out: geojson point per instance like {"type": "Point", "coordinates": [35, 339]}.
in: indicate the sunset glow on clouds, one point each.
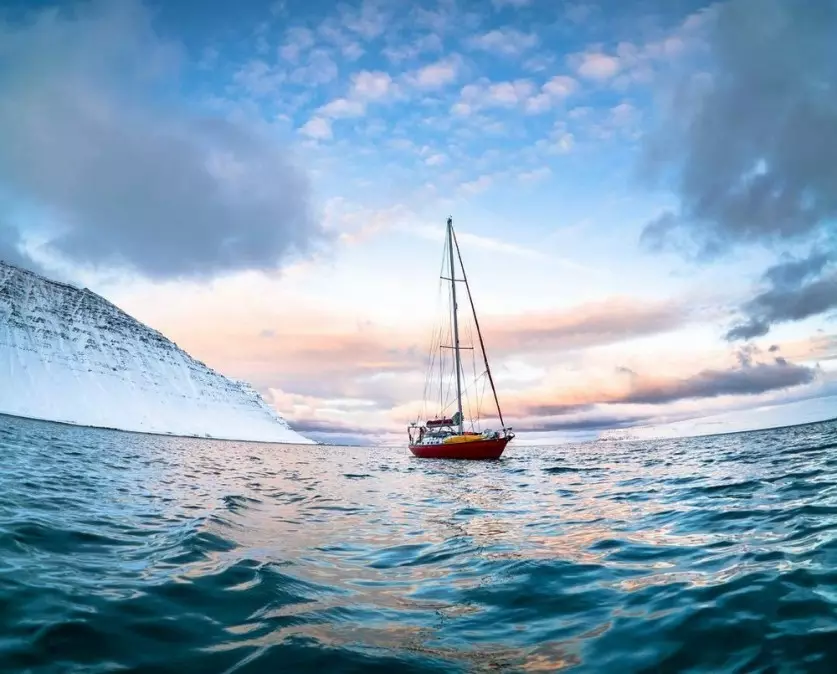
{"type": "Point", "coordinates": [646, 242]}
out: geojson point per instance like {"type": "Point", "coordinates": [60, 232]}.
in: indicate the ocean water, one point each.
{"type": "Point", "coordinates": [133, 553]}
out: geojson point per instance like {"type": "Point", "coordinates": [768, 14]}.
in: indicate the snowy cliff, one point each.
{"type": "Point", "coordinates": [69, 355]}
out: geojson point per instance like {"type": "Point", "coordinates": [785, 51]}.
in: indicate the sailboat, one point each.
{"type": "Point", "coordinates": [447, 435]}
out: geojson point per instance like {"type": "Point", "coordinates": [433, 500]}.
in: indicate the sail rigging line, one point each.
{"type": "Point", "coordinates": [482, 393]}
{"type": "Point", "coordinates": [457, 365]}
{"type": "Point", "coordinates": [475, 415]}
{"type": "Point", "coordinates": [444, 401]}
{"type": "Point", "coordinates": [477, 324]}
{"type": "Point", "coordinates": [431, 360]}
{"type": "Point", "coordinates": [429, 378]}
{"type": "Point", "coordinates": [477, 418]}
{"type": "Point", "coordinates": [435, 341]}
{"type": "Point", "coordinates": [429, 375]}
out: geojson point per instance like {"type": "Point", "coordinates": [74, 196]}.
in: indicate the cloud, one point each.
{"type": "Point", "coordinates": [794, 272]}
{"type": "Point", "coordinates": [796, 289]}
{"type": "Point", "coordinates": [332, 32]}
{"type": "Point", "coordinates": [333, 364]}
{"type": "Point", "coordinates": [325, 427]}
{"type": "Point", "coordinates": [342, 107]}
{"type": "Point", "coordinates": [366, 87]}
{"type": "Point", "coordinates": [11, 248]}
{"type": "Point", "coordinates": [436, 75]}
{"type": "Point", "coordinates": [522, 93]}
{"type": "Point", "coordinates": [486, 94]}
{"type": "Point", "coordinates": [747, 145]}
{"type": "Point", "coordinates": [535, 175]}
{"type": "Point", "coordinates": [560, 140]}
{"type": "Point", "coordinates": [400, 52]}
{"type": "Point", "coordinates": [368, 21]}
{"type": "Point", "coordinates": [278, 8]}
{"type": "Point", "coordinates": [819, 347]}
{"type": "Point", "coordinates": [632, 64]}
{"type": "Point", "coordinates": [595, 65]}
{"type": "Point", "coordinates": [130, 178]}
{"type": "Point", "coordinates": [622, 114]}
{"type": "Point", "coordinates": [628, 407]}
{"type": "Point", "coordinates": [471, 240]}
{"type": "Point", "coordinates": [579, 13]}
{"type": "Point", "coordinates": [370, 85]}
{"type": "Point", "coordinates": [342, 360]}
{"type": "Point", "coordinates": [516, 4]}
{"type": "Point", "coordinates": [352, 51]}
{"type": "Point", "coordinates": [594, 421]}
{"type": "Point", "coordinates": [749, 379]}
{"type": "Point", "coordinates": [297, 41]}
{"type": "Point", "coordinates": [556, 89]}
{"type": "Point", "coordinates": [477, 186]}
{"type": "Point", "coordinates": [506, 41]}
{"type": "Point", "coordinates": [333, 421]}
{"type": "Point", "coordinates": [259, 79]}
{"type": "Point", "coordinates": [320, 68]}
{"type": "Point", "coordinates": [560, 86]}
{"type": "Point", "coordinates": [317, 128]}
{"type": "Point", "coordinates": [331, 356]}
{"type": "Point", "coordinates": [539, 63]}
{"type": "Point", "coordinates": [588, 325]}
{"type": "Point", "coordinates": [622, 121]}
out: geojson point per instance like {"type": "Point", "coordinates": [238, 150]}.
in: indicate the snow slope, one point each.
{"type": "Point", "coordinates": [70, 355]}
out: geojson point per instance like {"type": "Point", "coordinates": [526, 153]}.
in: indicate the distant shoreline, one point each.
{"type": "Point", "coordinates": [719, 433]}
{"type": "Point", "coordinates": [160, 435]}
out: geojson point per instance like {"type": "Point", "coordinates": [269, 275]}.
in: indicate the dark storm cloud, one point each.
{"type": "Point", "coordinates": [748, 378]}
{"type": "Point", "coordinates": [587, 325]}
{"type": "Point", "coordinates": [335, 433]}
{"type": "Point", "coordinates": [10, 248]}
{"type": "Point", "coordinates": [793, 273]}
{"type": "Point", "coordinates": [558, 409]}
{"type": "Point", "coordinates": [795, 289]}
{"type": "Point", "coordinates": [751, 147]}
{"type": "Point", "coordinates": [323, 427]}
{"type": "Point", "coordinates": [593, 423]}
{"type": "Point", "coordinates": [744, 380]}
{"type": "Point", "coordinates": [92, 132]}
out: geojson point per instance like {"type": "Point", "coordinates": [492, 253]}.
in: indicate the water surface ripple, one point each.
{"type": "Point", "coordinates": [122, 552]}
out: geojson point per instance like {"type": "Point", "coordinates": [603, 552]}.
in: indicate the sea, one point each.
{"type": "Point", "coordinates": [123, 552]}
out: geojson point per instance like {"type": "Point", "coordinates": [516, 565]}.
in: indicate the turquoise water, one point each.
{"type": "Point", "coordinates": [123, 552]}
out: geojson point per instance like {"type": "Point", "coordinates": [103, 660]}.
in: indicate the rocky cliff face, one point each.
{"type": "Point", "coordinates": [69, 355]}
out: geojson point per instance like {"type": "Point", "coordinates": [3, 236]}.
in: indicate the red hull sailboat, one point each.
{"type": "Point", "coordinates": [477, 449]}
{"type": "Point", "coordinates": [446, 437]}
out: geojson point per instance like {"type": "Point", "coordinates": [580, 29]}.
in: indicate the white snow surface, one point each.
{"type": "Point", "coordinates": [69, 355]}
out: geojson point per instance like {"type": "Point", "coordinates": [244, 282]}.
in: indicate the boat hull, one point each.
{"type": "Point", "coordinates": [475, 450]}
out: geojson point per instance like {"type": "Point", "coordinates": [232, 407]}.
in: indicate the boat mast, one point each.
{"type": "Point", "coordinates": [479, 333]}
{"type": "Point", "coordinates": [455, 324]}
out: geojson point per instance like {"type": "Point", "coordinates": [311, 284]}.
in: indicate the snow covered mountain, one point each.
{"type": "Point", "coordinates": [70, 355]}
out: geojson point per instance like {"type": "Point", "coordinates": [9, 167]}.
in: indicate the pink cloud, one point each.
{"type": "Point", "coordinates": [596, 65]}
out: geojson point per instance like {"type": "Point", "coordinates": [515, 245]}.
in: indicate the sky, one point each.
{"type": "Point", "coordinates": [644, 194]}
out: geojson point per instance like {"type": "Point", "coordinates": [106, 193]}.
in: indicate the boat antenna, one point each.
{"type": "Point", "coordinates": [455, 323]}
{"type": "Point", "coordinates": [477, 324]}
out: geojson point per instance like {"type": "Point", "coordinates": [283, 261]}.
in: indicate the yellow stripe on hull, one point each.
{"type": "Point", "coordinates": [457, 439]}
